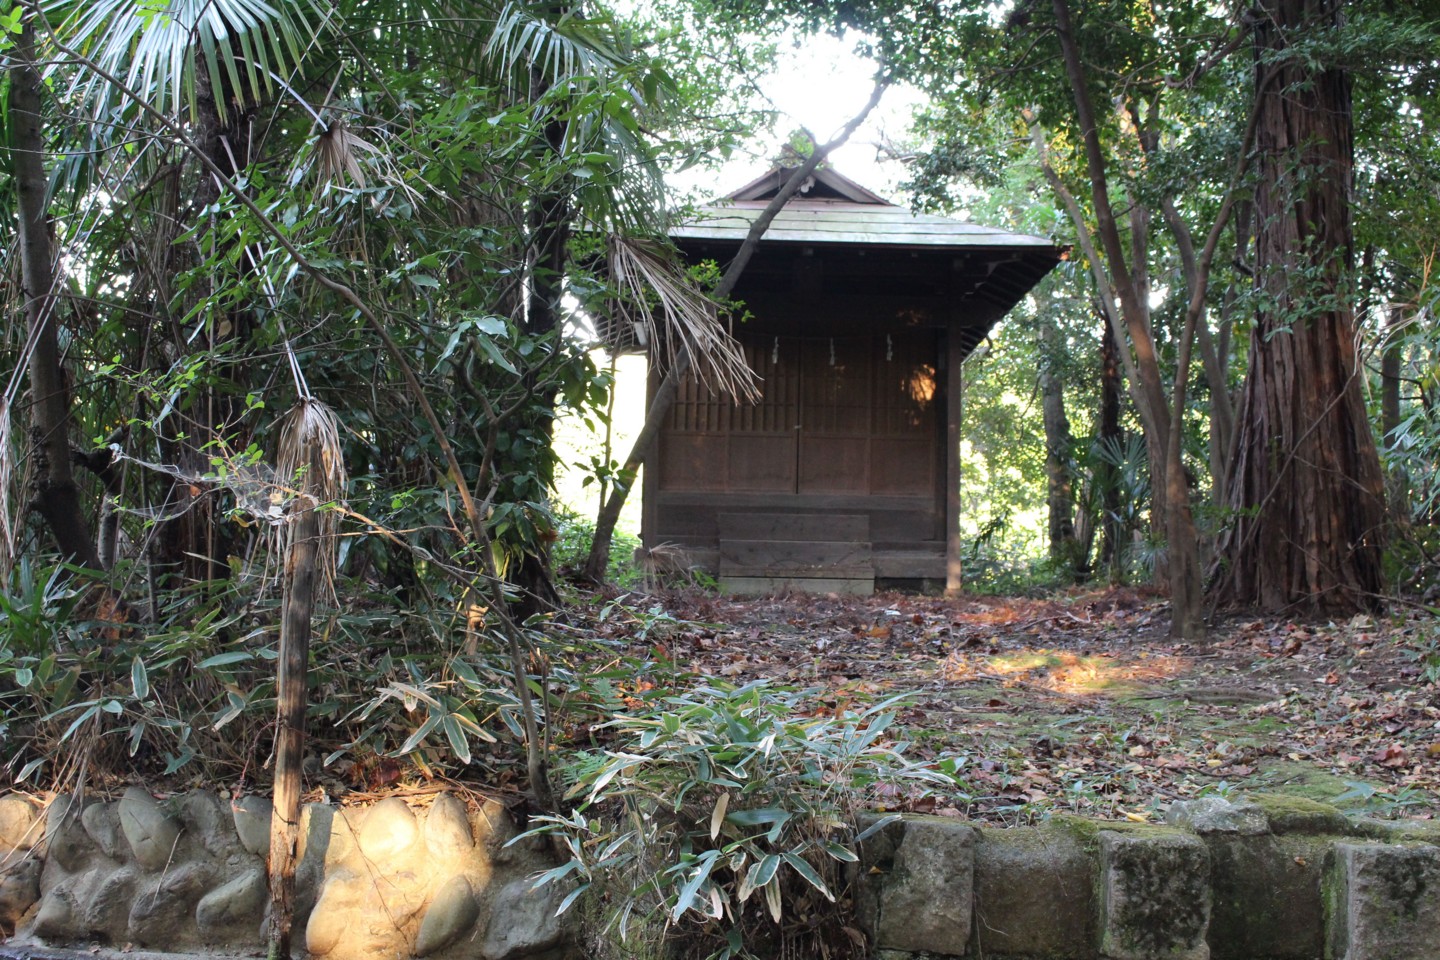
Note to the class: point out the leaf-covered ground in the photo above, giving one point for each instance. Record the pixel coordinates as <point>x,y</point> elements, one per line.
<point>1082,703</point>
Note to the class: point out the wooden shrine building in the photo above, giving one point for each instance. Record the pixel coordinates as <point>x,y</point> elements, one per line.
<point>846,474</point>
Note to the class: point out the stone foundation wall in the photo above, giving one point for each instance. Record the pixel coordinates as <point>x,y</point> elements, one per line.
<point>1254,880</point>
<point>187,874</point>
<point>1270,879</point>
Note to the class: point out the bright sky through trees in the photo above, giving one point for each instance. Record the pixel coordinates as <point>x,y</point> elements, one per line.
<point>819,84</point>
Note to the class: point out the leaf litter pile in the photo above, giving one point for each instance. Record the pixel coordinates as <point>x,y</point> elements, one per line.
<point>1081,703</point>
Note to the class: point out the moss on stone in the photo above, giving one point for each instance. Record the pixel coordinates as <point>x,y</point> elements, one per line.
<point>1398,831</point>
<point>1156,897</point>
<point>1086,832</point>
<point>1130,828</point>
<point>1288,814</point>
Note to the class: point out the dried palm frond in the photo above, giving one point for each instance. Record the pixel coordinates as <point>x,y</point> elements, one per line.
<point>337,151</point>
<point>662,310</point>
<point>665,562</point>
<point>7,475</point>
<point>309,463</point>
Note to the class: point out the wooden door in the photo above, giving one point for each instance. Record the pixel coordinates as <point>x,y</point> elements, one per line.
<point>713,444</point>
<point>838,416</point>
<point>834,432</point>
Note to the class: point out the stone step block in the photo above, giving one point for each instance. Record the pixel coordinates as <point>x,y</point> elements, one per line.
<point>1035,891</point>
<point>1266,895</point>
<point>919,890</point>
<point>1384,902</point>
<point>1155,896</point>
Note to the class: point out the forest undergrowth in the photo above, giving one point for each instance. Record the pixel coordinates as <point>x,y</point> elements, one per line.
<point>1074,702</point>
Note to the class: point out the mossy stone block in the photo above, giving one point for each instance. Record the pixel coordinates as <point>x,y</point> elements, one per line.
<point>1299,815</point>
<point>1266,897</point>
<point>1383,902</point>
<point>1035,893</point>
<point>1399,831</point>
<point>1154,895</point>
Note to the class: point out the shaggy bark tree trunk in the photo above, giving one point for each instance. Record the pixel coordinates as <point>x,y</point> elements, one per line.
<point>1390,378</point>
<point>549,219</point>
<point>1306,486</point>
<point>1109,432</point>
<point>56,496</point>
<point>191,547</point>
<point>1397,482</point>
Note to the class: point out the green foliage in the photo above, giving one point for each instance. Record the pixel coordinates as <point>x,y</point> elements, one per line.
<point>720,814</point>
<point>1421,645</point>
<point>573,543</point>
<point>174,52</point>
<point>195,695</point>
<point>11,24</point>
<point>1391,804</point>
<point>1117,472</point>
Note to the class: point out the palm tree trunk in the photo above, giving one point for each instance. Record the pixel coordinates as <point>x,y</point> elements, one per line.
<point>1060,486</point>
<point>56,495</point>
<point>292,687</point>
<point>1110,433</point>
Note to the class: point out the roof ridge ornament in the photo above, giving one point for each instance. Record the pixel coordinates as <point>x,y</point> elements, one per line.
<point>824,184</point>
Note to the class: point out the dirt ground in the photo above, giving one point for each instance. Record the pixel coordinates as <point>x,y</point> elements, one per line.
<point>1082,703</point>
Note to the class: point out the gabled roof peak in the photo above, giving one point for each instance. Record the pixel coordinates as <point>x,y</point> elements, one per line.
<point>823,184</point>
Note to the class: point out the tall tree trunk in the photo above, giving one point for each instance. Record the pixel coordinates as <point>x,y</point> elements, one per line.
<point>56,496</point>
<point>1170,504</point>
<point>1390,377</point>
<point>549,218</point>
<point>1059,479</point>
<point>1306,486</point>
<point>192,546</point>
<point>291,695</point>
<point>1397,482</point>
<point>1109,433</point>
<point>550,234</point>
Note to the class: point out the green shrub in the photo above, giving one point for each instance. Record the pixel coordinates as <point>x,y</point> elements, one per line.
<point>717,819</point>
<point>573,544</point>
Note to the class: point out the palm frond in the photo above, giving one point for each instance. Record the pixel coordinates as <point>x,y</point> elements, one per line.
<point>337,150</point>
<point>561,48</point>
<point>662,309</point>
<point>630,197</point>
<point>245,47</point>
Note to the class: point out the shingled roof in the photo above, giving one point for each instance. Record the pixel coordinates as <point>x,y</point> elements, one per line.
<point>992,266</point>
<point>833,209</point>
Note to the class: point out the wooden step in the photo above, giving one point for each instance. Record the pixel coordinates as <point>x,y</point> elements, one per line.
<point>808,527</point>
<point>837,559</point>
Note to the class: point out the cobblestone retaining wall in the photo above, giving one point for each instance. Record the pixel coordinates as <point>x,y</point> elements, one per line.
<point>187,874</point>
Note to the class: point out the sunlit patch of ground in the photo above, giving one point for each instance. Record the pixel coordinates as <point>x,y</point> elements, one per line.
<point>1062,670</point>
